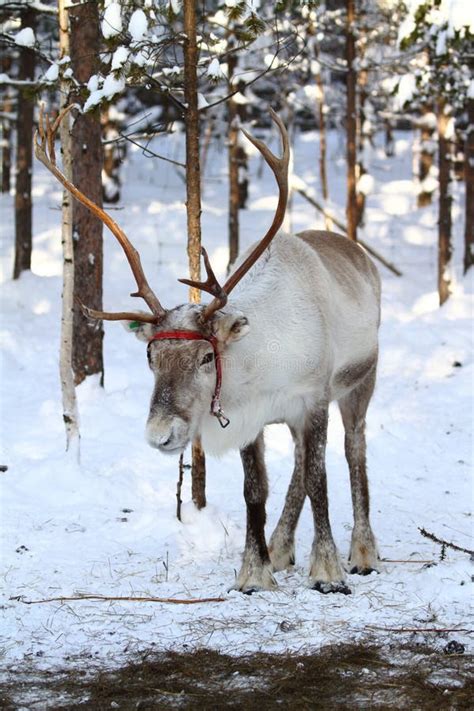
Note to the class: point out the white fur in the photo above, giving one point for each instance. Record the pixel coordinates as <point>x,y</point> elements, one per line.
<point>303,328</point>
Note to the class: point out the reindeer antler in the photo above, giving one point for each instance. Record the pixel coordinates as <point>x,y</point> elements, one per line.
<point>279,167</point>
<point>211,285</point>
<point>44,151</point>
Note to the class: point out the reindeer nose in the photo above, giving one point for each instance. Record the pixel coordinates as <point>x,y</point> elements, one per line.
<point>167,435</point>
<point>158,439</point>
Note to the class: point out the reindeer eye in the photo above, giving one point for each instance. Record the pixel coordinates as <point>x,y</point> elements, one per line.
<point>208,358</point>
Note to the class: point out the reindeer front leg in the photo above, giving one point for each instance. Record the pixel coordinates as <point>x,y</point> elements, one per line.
<point>282,542</point>
<point>326,572</point>
<point>255,573</point>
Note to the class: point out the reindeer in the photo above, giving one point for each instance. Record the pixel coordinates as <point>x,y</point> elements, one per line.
<point>299,332</point>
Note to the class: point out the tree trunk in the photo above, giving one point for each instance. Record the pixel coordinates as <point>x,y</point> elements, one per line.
<point>361,169</point>
<point>322,138</point>
<point>445,200</point>
<point>389,142</point>
<point>87,169</point>
<point>233,145</point>
<point>351,122</point>
<point>427,149</point>
<point>24,159</point>
<point>5,128</point>
<point>193,207</point>
<point>469,178</point>
<point>113,157</point>
<point>6,131</point>
<point>70,412</point>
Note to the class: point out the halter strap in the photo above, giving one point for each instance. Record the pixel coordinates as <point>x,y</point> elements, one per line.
<point>216,408</point>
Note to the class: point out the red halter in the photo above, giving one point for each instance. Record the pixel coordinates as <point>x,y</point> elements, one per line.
<point>216,408</point>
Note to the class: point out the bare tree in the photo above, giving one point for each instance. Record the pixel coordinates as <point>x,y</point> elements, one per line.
<point>113,156</point>
<point>469,179</point>
<point>5,131</point>
<point>24,156</point>
<point>233,146</point>
<point>193,207</point>
<point>238,162</point>
<point>427,124</point>
<point>70,412</point>
<point>87,169</point>
<point>445,201</point>
<point>322,139</point>
<point>351,121</point>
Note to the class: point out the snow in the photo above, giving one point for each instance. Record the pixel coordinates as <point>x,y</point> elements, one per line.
<point>214,71</point>
<point>202,102</point>
<point>365,184</point>
<point>119,58</point>
<point>112,22</point>
<point>112,85</point>
<point>108,525</point>
<point>93,83</point>
<point>175,6</point>
<point>52,73</point>
<point>445,19</point>
<point>138,25</point>
<point>406,89</point>
<point>25,37</point>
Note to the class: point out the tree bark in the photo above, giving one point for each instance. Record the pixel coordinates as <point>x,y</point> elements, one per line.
<point>389,142</point>
<point>193,207</point>
<point>113,157</point>
<point>5,128</point>
<point>6,131</point>
<point>445,201</point>
<point>427,148</point>
<point>233,145</point>
<point>361,169</point>
<point>70,411</point>
<point>351,122</point>
<point>469,179</point>
<point>87,169</point>
<point>322,139</point>
<point>24,158</point>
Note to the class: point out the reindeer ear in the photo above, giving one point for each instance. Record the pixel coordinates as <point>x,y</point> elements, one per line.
<point>229,327</point>
<point>143,331</point>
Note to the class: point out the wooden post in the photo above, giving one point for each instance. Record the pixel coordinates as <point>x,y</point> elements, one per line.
<point>193,208</point>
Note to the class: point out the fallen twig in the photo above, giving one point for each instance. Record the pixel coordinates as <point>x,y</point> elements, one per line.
<point>118,598</point>
<point>445,544</point>
<point>388,560</point>
<point>420,630</point>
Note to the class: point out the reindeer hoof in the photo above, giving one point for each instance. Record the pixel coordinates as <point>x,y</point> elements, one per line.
<point>326,588</point>
<point>358,570</point>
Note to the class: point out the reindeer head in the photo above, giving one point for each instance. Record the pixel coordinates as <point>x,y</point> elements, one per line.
<point>186,344</point>
<point>185,355</point>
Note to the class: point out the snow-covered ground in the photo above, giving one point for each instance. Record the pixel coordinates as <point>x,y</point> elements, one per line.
<point>109,527</point>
